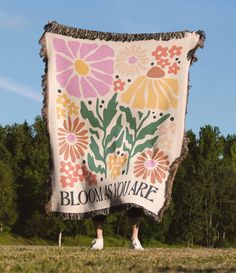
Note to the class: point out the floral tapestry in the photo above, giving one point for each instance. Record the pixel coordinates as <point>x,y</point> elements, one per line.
<point>115,107</point>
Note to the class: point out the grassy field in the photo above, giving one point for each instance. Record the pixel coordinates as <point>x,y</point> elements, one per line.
<point>29,259</point>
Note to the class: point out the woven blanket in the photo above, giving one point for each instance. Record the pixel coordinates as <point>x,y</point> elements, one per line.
<point>115,107</point>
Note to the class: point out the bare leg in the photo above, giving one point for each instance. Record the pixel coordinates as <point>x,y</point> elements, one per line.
<point>134,224</point>
<point>98,225</point>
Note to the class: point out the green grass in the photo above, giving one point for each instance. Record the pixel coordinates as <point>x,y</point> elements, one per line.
<point>32,259</point>
<point>13,239</point>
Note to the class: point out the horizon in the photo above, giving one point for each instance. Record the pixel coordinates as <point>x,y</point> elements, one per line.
<point>212,97</point>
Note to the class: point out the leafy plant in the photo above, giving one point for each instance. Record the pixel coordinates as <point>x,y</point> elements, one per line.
<point>134,133</point>
<point>110,141</point>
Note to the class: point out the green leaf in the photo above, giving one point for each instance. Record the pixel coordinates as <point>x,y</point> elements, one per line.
<point>140,114</point>
<point>129,118</point>
<point>114,131</point>
<point>116,144</point>
<point>147,144</point>
<point>94,132</point>
<point>86,114</point>
<point>110,111</point>
<point>151,128</point>
<point>129,137</point>
<point>93,167</point>
<point>95,149</point>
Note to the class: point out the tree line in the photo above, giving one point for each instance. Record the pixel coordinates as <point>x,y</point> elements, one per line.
<point>202,210</point>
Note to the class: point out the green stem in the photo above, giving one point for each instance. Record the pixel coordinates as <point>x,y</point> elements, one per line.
<point>104,151</point>
<point>135,136</point>
<point>104,137</point>
<point>98,114</point>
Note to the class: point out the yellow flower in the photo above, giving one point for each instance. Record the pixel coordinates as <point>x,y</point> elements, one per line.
<point>115,163</point>
<point>63,99</point>
<point>131,60</point>
<point>60,112</point>
<point>152,91</point>
<point>73,109</point>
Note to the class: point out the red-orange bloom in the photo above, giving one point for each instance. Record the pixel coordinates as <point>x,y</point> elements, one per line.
<point>72,139</point>
<point>118,85</point>
<point>163,63</point>
<point>89,177</point>
<point>173,69</point>
<point>79,172</point>
<point>152,165</point>
<point>160,52</point>
<point>175,51</point>
<point>66,167</point>
<point>68,180</point>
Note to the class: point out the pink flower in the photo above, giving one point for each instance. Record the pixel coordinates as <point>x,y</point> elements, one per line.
<point>84,69</point>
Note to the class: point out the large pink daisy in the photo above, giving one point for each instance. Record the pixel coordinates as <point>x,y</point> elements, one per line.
<point>84,69</point>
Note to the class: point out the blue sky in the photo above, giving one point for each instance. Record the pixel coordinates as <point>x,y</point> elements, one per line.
<point>213,94</point>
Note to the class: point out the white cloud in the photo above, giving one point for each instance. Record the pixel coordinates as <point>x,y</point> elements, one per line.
<point>12,21</point>
<point>10,85</point>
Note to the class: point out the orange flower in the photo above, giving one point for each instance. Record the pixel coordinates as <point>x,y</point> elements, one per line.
<point>175,51</point>
<point>115,163</point>
<point>72,139</point>
<point>63,99</point>
<point>160,52</point>
<point>163,63</point>
<point>118,85</point>
<point>152,165</point>
<point>73,109</point>
<point>173,69</point>
<point>60,112</point>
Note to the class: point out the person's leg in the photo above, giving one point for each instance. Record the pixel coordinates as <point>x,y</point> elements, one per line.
<point>135,215</point>
<point>98,225</point>
<point>97,243</point>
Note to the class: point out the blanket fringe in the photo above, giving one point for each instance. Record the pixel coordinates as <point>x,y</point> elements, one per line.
<point>56,28</point>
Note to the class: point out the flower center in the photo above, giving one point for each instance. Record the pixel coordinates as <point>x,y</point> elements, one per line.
<point>155,72</point>
<point>71,137</point>
<point>81,67</point>
<point>150,163</point>
<point>132,60</point>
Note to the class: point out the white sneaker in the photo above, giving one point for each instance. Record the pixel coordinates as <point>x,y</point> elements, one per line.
<point>135,244</point>
<point>97,244</point>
